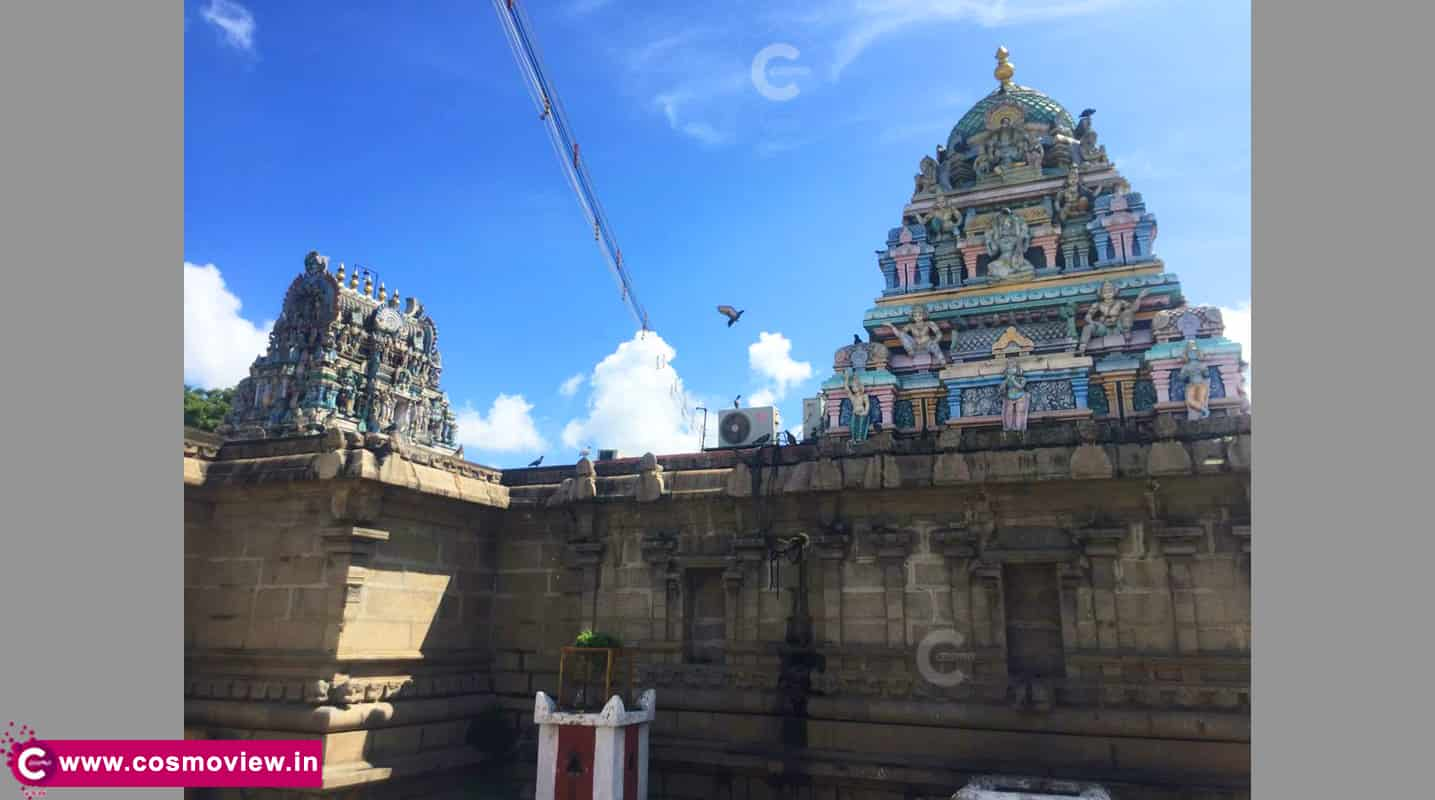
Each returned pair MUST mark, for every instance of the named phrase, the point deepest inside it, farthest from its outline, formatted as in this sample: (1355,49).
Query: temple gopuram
(345,357)
(1023,286)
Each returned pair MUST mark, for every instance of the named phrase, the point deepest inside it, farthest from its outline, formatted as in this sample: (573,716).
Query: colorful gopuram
(1023,286)
(345,356)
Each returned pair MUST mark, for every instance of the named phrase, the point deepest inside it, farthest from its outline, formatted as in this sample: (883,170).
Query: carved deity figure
(1015,399)
(926,179)
(1009,144)
(1085,135)
(313,262)
(861,406)
(1072,201)
(1064,146)
(1110,314)
(1198,382)
(921,335)
(1007,240)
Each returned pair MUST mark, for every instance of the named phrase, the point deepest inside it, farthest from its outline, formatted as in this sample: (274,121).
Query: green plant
(206,409)
(594,639)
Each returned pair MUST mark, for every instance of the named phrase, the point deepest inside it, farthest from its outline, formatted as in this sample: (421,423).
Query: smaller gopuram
(1023,286)
(345,356)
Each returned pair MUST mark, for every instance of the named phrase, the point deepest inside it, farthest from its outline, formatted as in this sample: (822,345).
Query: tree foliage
(206,409)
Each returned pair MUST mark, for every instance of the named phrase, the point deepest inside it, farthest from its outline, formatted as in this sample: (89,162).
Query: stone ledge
(394,469)
(250,714)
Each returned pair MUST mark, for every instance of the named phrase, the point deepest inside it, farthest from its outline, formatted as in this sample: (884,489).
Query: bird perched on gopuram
(731,313)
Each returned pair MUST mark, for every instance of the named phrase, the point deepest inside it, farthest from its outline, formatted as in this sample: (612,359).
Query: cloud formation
(234,22)
(866,22)
(571,386)
(636,402)
(219,344)
(771,357)
(508,427)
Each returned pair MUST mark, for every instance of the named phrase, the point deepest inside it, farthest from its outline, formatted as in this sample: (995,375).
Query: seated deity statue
(921,335)
(1007,241)
(1109,314)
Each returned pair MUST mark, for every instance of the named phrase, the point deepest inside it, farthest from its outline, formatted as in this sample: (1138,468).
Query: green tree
(206,409)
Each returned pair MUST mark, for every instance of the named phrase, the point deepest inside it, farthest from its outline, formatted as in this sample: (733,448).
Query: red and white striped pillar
(601,756)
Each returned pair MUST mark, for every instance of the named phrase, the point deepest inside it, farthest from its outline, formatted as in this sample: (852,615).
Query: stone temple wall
(1090,583)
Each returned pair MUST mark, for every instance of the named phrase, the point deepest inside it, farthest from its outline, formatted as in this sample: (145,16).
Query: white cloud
(702,132)
(761,397)
(771,357)
(1238,329)
(219,344)
(636,402)
(571,386)
(506,428)
(232,20)
(865,22)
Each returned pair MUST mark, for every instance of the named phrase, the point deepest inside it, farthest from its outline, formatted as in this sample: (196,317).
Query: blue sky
(400,137)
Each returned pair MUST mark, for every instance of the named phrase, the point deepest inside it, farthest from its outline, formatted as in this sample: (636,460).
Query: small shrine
(348,356)
(1023,285)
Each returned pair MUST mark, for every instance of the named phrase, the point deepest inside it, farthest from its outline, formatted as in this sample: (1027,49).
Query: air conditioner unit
(748,427)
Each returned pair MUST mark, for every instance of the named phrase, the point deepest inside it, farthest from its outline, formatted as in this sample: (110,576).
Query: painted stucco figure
(861,406)
(1198,382)
(1015,400)
(921,335)
(1007,241)
(1091,152)
(1109,314)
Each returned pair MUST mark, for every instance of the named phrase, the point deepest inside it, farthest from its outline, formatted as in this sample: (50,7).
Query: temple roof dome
(1037,107)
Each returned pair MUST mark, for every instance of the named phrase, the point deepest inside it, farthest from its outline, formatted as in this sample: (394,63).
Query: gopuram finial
(1004,69)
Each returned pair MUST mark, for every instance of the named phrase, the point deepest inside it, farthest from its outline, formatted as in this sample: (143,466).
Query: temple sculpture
(345,357)
(1022,285)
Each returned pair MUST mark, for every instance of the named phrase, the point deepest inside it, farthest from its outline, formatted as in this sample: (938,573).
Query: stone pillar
(988,621)
(1048,244)
(602,756)
(1178,545)
(732,579)
(658,550)
(892,548)
(970,254)
(750,553)
(585,559)
(958,546)
(831,549)
(1096,601)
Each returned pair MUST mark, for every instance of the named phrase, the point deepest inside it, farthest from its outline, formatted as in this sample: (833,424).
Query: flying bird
(535,462)
(731,313)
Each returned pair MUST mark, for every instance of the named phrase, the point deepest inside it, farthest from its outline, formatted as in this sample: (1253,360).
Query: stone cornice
(338,456)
